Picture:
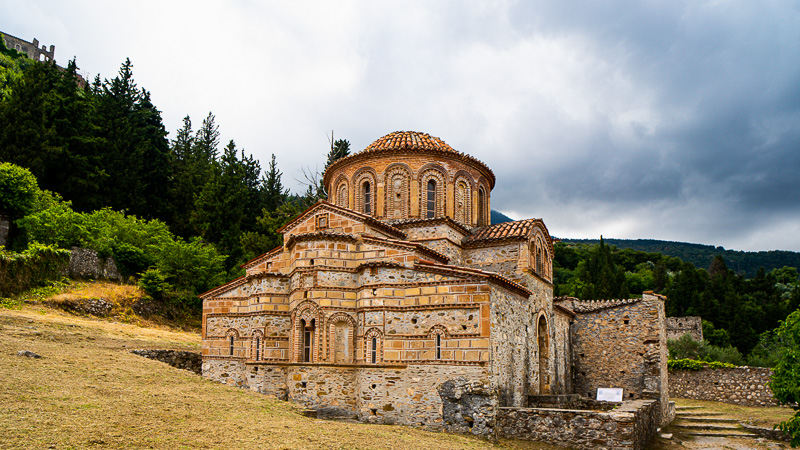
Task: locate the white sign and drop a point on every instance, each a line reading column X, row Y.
column 609, row 394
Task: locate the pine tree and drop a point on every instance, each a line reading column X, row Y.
column 274, row 192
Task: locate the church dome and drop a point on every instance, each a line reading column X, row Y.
column 412, row 175
column 412, row 140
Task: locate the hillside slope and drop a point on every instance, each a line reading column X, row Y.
column 701, row 255
column 88, row 390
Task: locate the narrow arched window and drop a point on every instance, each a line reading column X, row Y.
column 431, row 204
column 258, row 349
column 231, row 345
column 438, row 346
column 374, row 350
column 307, row 330
column 367, row 199
column 481, row 207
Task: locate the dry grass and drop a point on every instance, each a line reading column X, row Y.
column 89, row 391
column 761, row 417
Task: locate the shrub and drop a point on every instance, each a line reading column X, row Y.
column 785, row 382
column 692, row 364
column 154, row 283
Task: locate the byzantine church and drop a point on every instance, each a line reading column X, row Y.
column 399, row 283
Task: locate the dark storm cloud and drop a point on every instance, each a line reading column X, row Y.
column 661, row 119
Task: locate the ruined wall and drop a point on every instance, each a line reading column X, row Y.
column 29, row 48
column 740, row 385
column 513, row 370
column 621, row 344
column 562, row 354
column 85, row 263
column 691, row 325
column 190, row 361
column 632, row 425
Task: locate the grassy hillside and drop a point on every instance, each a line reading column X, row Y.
column 87, row 390
column 701, row 255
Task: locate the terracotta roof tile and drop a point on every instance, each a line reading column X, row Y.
column 505, row 230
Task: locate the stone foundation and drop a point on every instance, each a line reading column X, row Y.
column 746, row 386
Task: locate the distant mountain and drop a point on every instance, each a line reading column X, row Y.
column 701, row 255
column 498, row 217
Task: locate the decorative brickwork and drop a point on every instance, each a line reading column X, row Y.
column 372, row 303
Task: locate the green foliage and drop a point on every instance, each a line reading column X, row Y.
column 785, row 382
column 18, row 190
column 690, row 364
column 33, row 267
column 154, row 283
column 687, row 348
column 701, row 255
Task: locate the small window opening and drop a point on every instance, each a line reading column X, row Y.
column 258, row 349
column 438, row 346
column 625, row 321
column 305, row 294
column 374, row 350
column 367, row 199
column 431, row 204
column 413, row 320
column 463, row 327
column 231, row 345
column 374, row 292
column 312, row 262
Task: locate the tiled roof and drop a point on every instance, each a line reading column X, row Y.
column 501, row 231
column 409, row 140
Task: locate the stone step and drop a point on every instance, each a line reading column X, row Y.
column 705, row 419
column 705, row 426
column 682, row 408
column 724, row 434
column 697, row 413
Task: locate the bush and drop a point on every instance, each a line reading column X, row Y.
column 785, row 382
column 691, row 364
column 18, row 190
column 154, row 283
column 687, row 348
column 30, row 268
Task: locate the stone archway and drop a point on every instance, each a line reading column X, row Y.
column 543, row 338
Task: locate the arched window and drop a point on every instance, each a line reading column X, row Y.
column 231, row 345
column 307, row 339
column 481, row 207
column 258, row 349
column 372, row 346
column 431, row 201
column 367, row 195
column 438, row 346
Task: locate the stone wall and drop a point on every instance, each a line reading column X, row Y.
column 691, row 325
column 621, row 344
column 5, row 227
column 391, row 394
column 85, row 263
column 632, row 425
column 745, row 386
column 190, row 361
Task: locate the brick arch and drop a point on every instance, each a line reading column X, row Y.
column 540, row 260
column 397, row 187
column 341, row 191
column 438, row 334
column 543, row 351
column 349, row 351
column 463, row 186
column 482, row 209
column 435, row 172
column 362, row 176
column 306, row 312
column 231, row 336
column 257, row 345
column 368, row 336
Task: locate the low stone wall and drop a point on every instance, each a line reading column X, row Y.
column 190, row 361
column 632, row 425
column 745, row 386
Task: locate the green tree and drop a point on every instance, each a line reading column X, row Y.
column 785, row 382
column 275, row 194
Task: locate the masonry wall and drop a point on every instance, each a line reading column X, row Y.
column 691, row 325
column 621, row 344
column 632, row 425
column 745, row 386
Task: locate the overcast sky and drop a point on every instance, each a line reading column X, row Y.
column 675, row 120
